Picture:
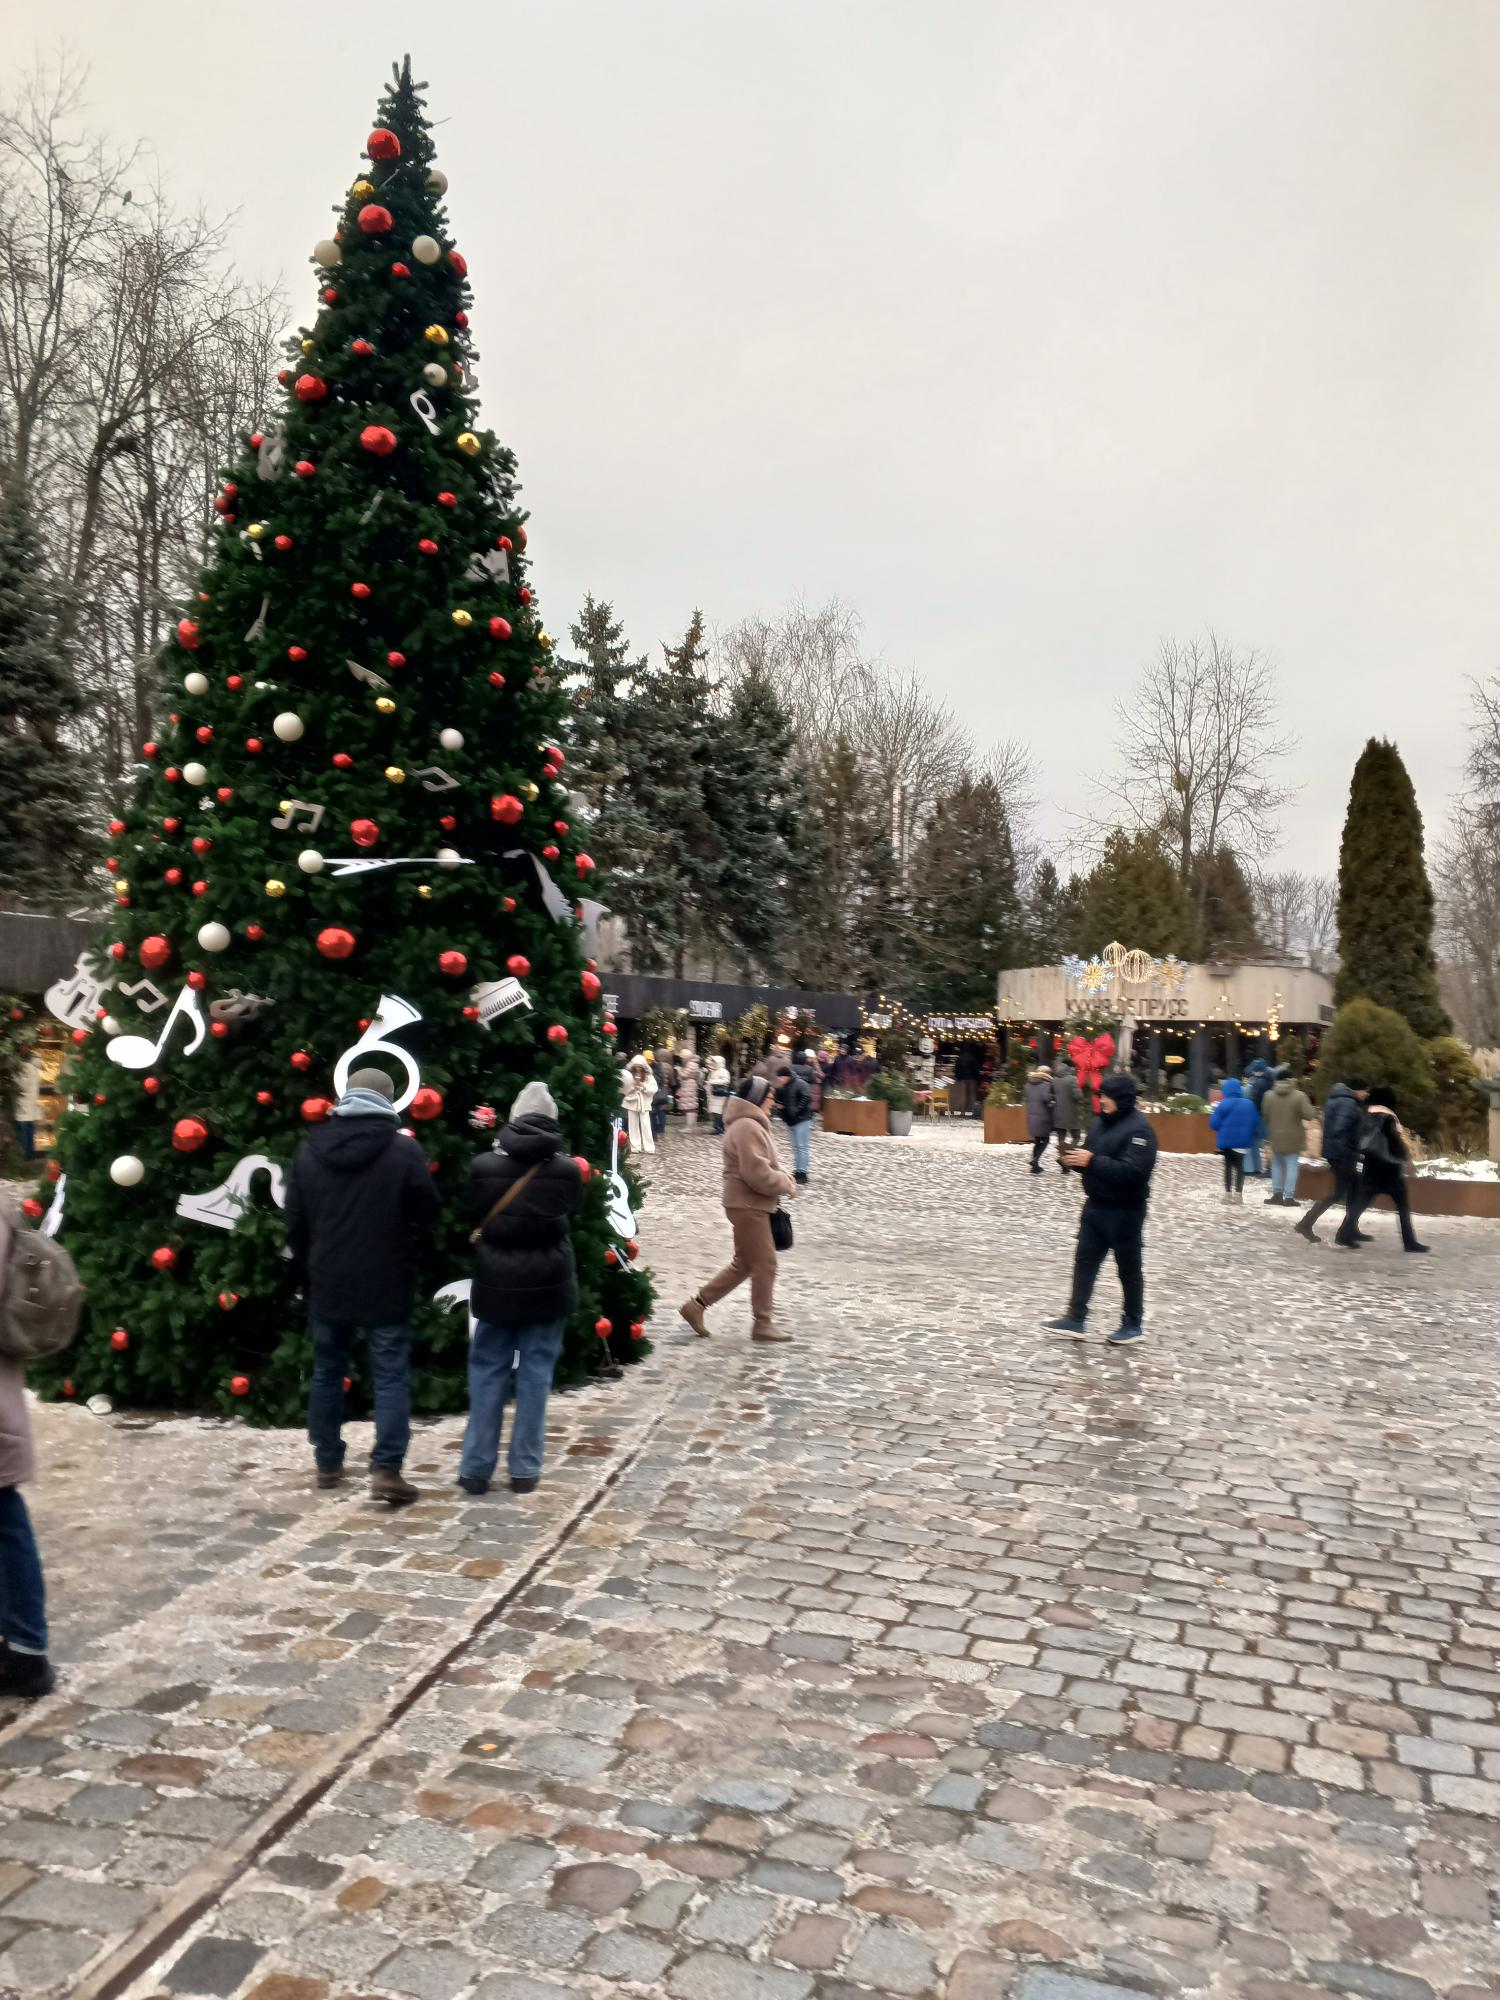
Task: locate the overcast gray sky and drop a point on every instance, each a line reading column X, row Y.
column 1033, row 329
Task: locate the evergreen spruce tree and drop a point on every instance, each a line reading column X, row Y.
column 1052, row 912
column 965, row 911
column 1227, row 926
column 602, row 756
column 754, row 799
column 45, row 844
column 351, row 830
column 1135, row 895
column 1385, row 898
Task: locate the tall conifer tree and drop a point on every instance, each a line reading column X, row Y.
column 1385, row 898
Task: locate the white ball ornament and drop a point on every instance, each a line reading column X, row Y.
column 451, row 739
column 195, row 683
column 110, row 1025
column 449, row 857
column 214, row 937
column 310, row 861
column 196, row 774
column 437, row 181
column 127, row 1170
column 435, row 374
column 287, row 726
column 327, row 252
column 426, row 249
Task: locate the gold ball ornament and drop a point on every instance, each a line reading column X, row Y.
column 438, row 335
column 467, row 443
column 395, row 774
column 256, row 531
column 286, row 804
column 530, row 790
column 544, row 639
column 463, row 619
column 275, row 888
column 384, row 705
column 424, row 890
column 309, row 347
column 362, row 190
column 122, row 888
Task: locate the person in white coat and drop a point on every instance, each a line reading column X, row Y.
column 635, row 1098
column 719, row 1083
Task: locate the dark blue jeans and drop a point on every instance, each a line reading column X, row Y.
column 390, row 1374
column 499, row 1357
column 23, row 1594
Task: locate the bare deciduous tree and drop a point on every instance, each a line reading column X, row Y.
column 1466, row 868
column 1297, row 916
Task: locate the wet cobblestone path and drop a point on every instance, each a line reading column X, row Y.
column 924, row 1657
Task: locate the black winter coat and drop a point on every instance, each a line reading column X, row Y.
column 1124, row 1150
column 524, row 1272
column 357, row 1197
column 1343, row 1121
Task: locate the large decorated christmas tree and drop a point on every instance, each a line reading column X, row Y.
column 349, row 844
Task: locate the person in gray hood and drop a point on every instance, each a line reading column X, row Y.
column 1065, row 1122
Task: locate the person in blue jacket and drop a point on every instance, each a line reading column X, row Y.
column 1236, row 1123
column 1259, row 1078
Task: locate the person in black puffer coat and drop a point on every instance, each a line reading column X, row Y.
column 1384, row 1157
column 1117, row 1162
column 525, row 1286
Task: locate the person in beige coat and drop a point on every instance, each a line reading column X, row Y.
column 25, row 1671
column 754, row 1184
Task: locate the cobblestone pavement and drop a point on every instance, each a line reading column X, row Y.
column 925, row 1657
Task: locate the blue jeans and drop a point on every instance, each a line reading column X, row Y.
column 498, row 1356
column 23, row 1594
column 801, row 1138
column 1284, row 1170
column 26, row 1138
column 390, row 1374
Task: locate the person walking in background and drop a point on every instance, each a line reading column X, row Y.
column 1041, row 1106
column 794, row 1100
column 754, row 1184
column 664, row 1070
column 28, row 1105
column 718, row 1084
column 638, row 1102
column 25, row 1671
column 523, row 1193
column 688, row 1076
column 1284, row 1111
column 1065, row 1120
column 358, row 1196
column 1116, row 1163
column 1383, row 1159
column 968, row 1067
column 1257, row 1081
column 1235, row 1121
column 1343, row 1121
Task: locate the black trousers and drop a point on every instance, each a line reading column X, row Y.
column 1365, row 1192
column 1039, row 1148
column 1345, row 1192
column 1100, row 1231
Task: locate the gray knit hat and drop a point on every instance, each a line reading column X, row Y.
column 534, row 1100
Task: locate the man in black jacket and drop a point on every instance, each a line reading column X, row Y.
column 524, row 1193
column 1117, row 1165
column 1343, row 1122
column 357, row 1197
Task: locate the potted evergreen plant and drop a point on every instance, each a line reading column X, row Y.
column 892, row 1089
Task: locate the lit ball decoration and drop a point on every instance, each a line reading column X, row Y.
column 395, row 775
column 374, row 220
column 551, row 851
column 449, row 857
column 255, row 932
column 264, row 1097
column 467, row 443
column 151, row 1085
column 256, row 531
column 304, row 468
column 608, row 1028
column 310, row 861
column 437, row 181
column 589, row 981
column 395, row 659
column 214, row 937
column 379, row 439
column 155, row 952
column 438, row 335
column 383, row 144
column 518, row 965
column 287, row 726
column 335, row 942
column 453, row 964
column 196, row 774
column 361, row 591
column 426, row 249
column 309, row 389
column 195, row 683
column 451, row 739
column 427, row 546
column 427, row 1104
column 362, row 348
column 189, row 1135
column 275, row 887
column 435, row 375
column 164, row 1258
column 584, row 863
column 497, row 680
column 529, row 791
column 463, row 619
column 197, row 980
column 119, row 1340
column 228, row 1301
column 364, row 832
column 424, row 891
column 500, row 628
column 507, row 808
column 127, row 1171
column 188, row 635
column 557, row 1033
column 316, row 1109
column 239, row 1385
column 604, row 1328
column 327, row 253
column 384, row 705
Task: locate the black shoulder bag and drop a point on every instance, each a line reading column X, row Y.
column 781, row 1229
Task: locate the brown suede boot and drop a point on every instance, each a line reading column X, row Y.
column 692, row 1312
column 387, row 1484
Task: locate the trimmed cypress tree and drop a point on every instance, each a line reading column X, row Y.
column 1385, row 898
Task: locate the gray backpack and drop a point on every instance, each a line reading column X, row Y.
column 42, row 1299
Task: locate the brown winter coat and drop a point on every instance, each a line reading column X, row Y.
column 1286, row 1110
column 16, row 1461
column 753, row 1175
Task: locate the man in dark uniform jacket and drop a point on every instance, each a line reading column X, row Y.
column 1117, row 1163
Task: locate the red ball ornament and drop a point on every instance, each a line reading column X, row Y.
column 201, row 844
column 554, row 755
column 224, row 794
column 427, row 546
column 559, row 826
column 54, row 1169
column 592, row 988
column 117, row 827
column 520, row 538
column 309, row 389
column 296, row 654
column 458, row 263
column 117, row 949
column 427, row 1103
column 80, row 1034
column 335, row 942
column 507, row 808
column 360, row 591
column 507, row 903
column 197, row 980
column 551, row 851
column 264, row 1097
column 32, row 1209
column 557, row 1032
column 524, row 594
column 373, row 219
column 304, row 468
column 330, row 296
column 67, row 1387
column 497, row 680
column 316, row 1109
column 200, row 888
column 171, row 876
column 604, row 1328
column 256, row 440
column 148, row 749
column 400, row 270
column 119, row 1340
column 171, row 774
column 395, row 659
column 155, row 952
column 584, row 863
column 204, row 732
column 504, row 542
column 632, row 1251
column 383, row 144
column 447, row 499
column 219, row 1030
column 447, row 822
column 584, row 1169
column 228, row 1301
column 637, row 1329
column 460, row 319
column 608, row 1028
column 364, row 832
column 342, row 761
column 254, row 745
column 151, row 1085
column 611, row 1257
column 188, row 1134
column 187, row 634
column 471, row 1013
column 453, row 964
column 164, row 1258
column 518, row 965
column 362, row 348
column 301, row 1060
column 500, row 628
column 589, row 1080
column 239, row 1385
column 378, row 438
column 234, row 683
column 170, row 825
column 255, row 932
column 283, row 542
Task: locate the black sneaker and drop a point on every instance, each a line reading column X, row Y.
column 1417, row 1249
column 524, row 1485
column 1349, row 1242
column 1126, row 1335
column 1069, row 1325
column 472, row 1483
column 800, row 1179
column 25, row 1676
column 1275, row 1201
